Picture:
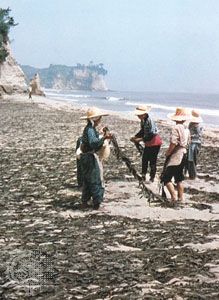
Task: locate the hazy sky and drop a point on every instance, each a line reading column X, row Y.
column 146, row 45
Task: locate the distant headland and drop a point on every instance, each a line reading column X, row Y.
column 79, row 77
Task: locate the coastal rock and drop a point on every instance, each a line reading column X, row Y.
column 35, row 86
column 78, row 77
column 98, row 83
column 12, row 78
column 59, row 83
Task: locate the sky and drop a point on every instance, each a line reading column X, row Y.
column 146, row 45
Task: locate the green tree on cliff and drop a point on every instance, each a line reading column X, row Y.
column 6, row 22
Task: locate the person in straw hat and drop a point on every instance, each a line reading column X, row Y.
column 152, row 141
column 195, row 143
column 91, row 166
column 176, row 154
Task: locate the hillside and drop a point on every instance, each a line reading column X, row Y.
column 79, row 77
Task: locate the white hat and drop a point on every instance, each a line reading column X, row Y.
column 142, row 109
column 181, row 114
column 196, row 118
column 93, row 112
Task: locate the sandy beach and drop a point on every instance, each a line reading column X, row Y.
column 126, row 250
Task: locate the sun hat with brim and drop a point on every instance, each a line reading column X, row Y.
column 196, row 118
column 181, row 114
column 92, row 113
column 142, row 109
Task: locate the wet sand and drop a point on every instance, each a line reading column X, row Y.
column 127, row 249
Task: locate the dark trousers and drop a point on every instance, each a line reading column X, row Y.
column 192, row 158
column 79, row 174
column 150, row 157
column 91, row 181
column 92, row 190
column 175, row 171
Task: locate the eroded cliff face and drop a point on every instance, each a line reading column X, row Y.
column 66, row 77
column 98, row 83
column 12, row 78
column 79, row 80
column 59, row 83
column 89, row 80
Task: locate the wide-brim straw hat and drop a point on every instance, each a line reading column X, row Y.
column 196, row 118
column 181, row 114
column 92, row 113
column 142, row 109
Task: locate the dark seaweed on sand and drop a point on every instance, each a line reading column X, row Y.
column 37, row 165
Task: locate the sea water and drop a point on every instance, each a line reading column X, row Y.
column 161, row 103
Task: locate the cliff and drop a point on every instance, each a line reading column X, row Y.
column 98, row 83
column 78, row 77
column 12, row 78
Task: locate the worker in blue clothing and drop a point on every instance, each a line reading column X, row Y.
column 91, row 165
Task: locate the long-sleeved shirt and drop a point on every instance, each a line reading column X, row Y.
column 90, row 139
column 148, row 129
column 195, row 132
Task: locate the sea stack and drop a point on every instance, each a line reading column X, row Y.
column 35, row 86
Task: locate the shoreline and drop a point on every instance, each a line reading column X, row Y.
column 46, row 102
column 124, row 100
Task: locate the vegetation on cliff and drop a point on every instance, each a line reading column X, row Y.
column 69, row 77
column 6, row 22
column 92, row 68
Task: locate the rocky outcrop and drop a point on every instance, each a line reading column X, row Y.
column 12, row 78
column 59, row 83
column 98, row 83
column 35, row 87
column 78, row 77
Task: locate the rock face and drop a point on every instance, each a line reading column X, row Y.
column 98, row 83
column 12, row 78
column 35, row 86
column 78, row 77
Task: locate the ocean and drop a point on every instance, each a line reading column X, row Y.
column 125, row 102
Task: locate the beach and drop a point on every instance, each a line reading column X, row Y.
column 126, row 250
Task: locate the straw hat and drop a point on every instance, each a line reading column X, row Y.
column 92, row 113
column 142, row 109
column 181, row 114
column 196, row 118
